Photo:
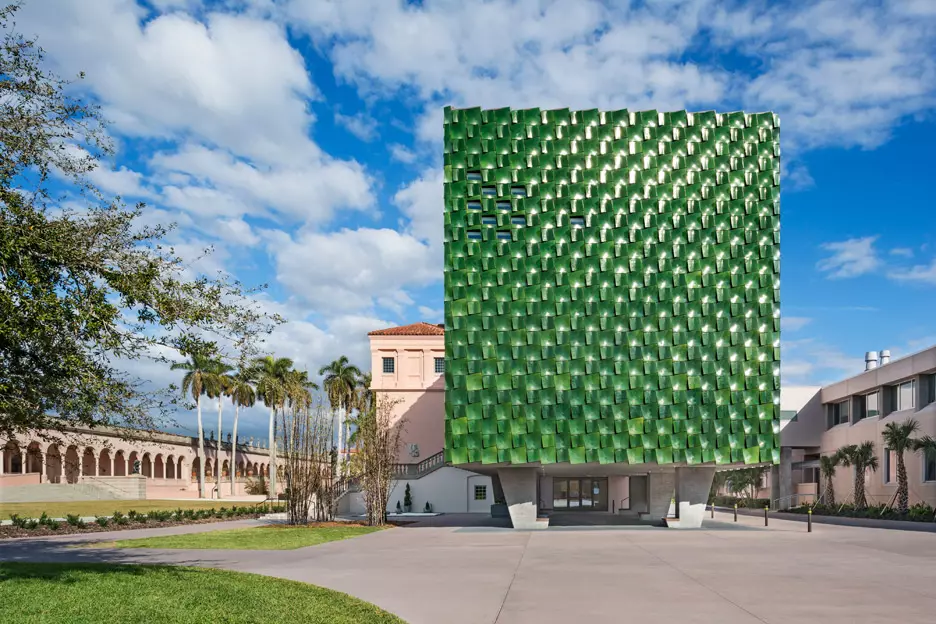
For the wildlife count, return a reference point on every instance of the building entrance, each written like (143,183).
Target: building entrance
(580,494)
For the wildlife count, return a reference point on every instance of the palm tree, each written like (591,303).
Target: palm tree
(862,457)
(827,466)
(197,369)
(363,400)
(272,377)
(340,382)
(898,437)
(242,393)
(925,445)
(217,381)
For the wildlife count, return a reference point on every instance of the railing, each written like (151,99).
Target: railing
(416,471)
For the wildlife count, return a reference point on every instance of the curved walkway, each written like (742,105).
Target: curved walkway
(480,575)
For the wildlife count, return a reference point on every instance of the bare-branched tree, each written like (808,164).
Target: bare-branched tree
(378,437)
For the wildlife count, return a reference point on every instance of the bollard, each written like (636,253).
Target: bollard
(713,509)
(736,512)
(766,509)
(809,521)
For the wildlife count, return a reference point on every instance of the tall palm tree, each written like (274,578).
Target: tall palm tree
(197,369)
(272,377)
(862,458)
(827,466)
(363,400)
(925,445)
(898,437)
(340,382)
(217,381)
(242,393)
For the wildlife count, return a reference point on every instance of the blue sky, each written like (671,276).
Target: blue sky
(301,139)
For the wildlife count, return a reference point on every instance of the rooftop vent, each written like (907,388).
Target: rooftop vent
(871,360)
(885,357)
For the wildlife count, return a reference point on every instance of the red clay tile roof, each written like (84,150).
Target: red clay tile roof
(416,329)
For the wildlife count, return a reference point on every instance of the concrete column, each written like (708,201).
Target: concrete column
(782,476)
(2,461)
(519,486)
(661,487)
(23,459)
(692,493)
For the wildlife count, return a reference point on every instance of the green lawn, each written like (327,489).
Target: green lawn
(92,593)
(107,507)
(255,538)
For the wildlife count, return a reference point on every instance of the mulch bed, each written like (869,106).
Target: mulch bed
(12,532)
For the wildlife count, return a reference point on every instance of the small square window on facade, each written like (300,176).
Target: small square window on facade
(474,204)
(890,466)
(504,236)
(389,365)
(929,466)
(518,191)
(489,191)
(439,365)
(489,220)
(474,235)
(577,222)
(837,413)
(518,220)
(474,176)
(872,405)
(504,205)
(480,492)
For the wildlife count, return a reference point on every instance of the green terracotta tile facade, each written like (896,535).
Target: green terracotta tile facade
(611,287)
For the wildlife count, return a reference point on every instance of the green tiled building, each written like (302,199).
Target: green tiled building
(611,287)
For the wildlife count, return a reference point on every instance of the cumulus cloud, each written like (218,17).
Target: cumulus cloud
(361,125)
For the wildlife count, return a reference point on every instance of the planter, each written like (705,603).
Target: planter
(499,510)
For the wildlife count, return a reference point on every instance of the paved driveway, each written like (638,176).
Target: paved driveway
(481,575)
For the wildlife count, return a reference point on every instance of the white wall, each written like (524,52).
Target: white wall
(448,489)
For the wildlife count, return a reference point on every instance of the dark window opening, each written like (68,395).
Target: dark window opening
(518,191)
(474,176)
(388,365)
(504,205)
(489,220)
(578,222)
(474,205)
(474,235)
(488,191)
(518,220)
(504,236)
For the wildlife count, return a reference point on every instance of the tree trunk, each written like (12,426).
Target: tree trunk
(219,447)
(830,491)
(234,451)
(271,480)
(201,451)
(903,494)
(860,500)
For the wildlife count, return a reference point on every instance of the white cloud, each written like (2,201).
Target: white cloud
(351,270)
(361,125)
(402,153)
(808,361)
(850,258)
(905,252)
(918,274)
(794,323)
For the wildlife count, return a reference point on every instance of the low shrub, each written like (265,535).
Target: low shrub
(119,518)
(102,521)
(920,512)
(189,514)
(31,524)
(132,514)
(19,523)
(178,514)
(45,520)
(749,503)
(74,520)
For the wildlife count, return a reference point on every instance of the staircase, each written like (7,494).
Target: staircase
(420,470)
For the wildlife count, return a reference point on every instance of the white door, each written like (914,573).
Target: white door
(480,496)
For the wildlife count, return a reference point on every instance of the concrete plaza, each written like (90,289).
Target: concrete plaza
(726,573)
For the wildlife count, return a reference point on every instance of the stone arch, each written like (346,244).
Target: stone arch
(256,469)
(240,469)
(158,467)
(196,463)
(180,468)
(88,462)
(72,464)
(53,464)
(33,457)
(209,469)
(120,464)
(12,458)
(170,467)
(105,464)
(225,469)
(280,474)
(132,460)
(146,466)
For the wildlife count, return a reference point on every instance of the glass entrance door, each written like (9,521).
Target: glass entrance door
(586,494)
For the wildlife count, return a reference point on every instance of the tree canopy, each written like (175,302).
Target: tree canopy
(85,287)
